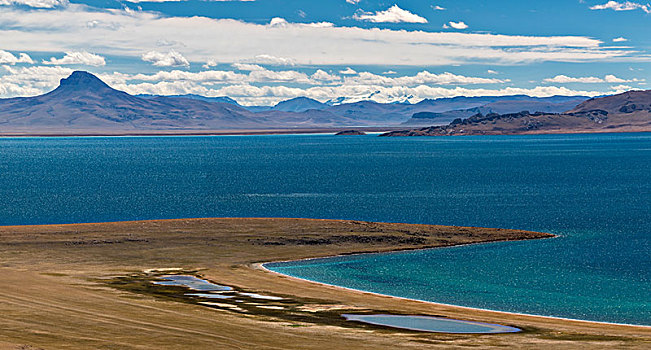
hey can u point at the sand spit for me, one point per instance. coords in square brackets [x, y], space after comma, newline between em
[92, 301]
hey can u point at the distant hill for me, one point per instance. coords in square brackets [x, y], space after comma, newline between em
[555, 104]
[299, 104]
[627, 112]
[82, 102]
[628, 102]
[222, 99]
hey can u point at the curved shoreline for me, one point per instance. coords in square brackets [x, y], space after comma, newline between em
[77, 261]
[262, 266]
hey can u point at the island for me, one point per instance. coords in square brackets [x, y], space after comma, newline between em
[350, 133]
[110, 285]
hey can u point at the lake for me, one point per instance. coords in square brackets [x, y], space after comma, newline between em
[592, 190]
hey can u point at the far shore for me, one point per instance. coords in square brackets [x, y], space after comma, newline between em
[67, 286]
[222, 132]
[298, 131]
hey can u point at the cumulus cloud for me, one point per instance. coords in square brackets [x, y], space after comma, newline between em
[30, 81]
[622, 6]
[620, 40]
[35, 3]
[563, 79]
[323, 76]
[258, 74]
[210, 63]
[456, 25]
[263, 86]
[267, 95]
[34, 80]
[621, 88]
[437, 8]
[348, 71]
[271, 60]
[8, 58]
[424, 77]
[78, 57]
[354, 2]
[247, 67]
[170, 59]
[393, 14]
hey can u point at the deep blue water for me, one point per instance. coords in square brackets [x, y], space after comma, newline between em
[593, 190]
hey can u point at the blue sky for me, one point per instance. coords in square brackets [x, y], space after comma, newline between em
[263, 51]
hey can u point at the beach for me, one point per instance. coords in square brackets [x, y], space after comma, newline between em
[61, 288]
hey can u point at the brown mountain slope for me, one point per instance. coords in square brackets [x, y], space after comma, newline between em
[627, 112]
[82, 102]
[623, 103]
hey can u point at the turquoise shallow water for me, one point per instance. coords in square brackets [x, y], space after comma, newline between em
[593, 190]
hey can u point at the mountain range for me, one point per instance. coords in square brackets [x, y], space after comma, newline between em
[626, 112]
[84, 103]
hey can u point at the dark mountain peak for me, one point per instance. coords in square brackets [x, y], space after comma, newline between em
[300, 99]
[298, 104]
[80, 80]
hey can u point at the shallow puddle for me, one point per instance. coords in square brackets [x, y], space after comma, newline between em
[431, 324]
[191, 282]
[209, 296]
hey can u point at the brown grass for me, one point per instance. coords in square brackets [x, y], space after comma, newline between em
[58, 289]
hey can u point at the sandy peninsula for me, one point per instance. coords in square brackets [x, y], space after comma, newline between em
[87, 286]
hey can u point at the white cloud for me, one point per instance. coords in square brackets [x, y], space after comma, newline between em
[130, 33]
[563, 79]
[258, 74]
[271, 60]
[620, 40]
[278, 22]
[8, 58]
[247, 67]
[323, 76]
[348, 71]
[621, 88]
[490, 71]
[389, 72]
[610, 78]
[24, 81]
[170, 59]
[268, 95]
[286, 76]
[78, 57]
[35, 3]
[30, 81]
[393, 14]
[622, 6]
[424, 77]
[438, 8]
[354, 2]
[458, 25]
[210, 63]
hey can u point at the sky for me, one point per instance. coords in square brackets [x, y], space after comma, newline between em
[260, 52]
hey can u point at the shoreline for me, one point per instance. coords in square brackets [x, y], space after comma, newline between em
[81, 262]
[262, 266]
[379, 131]
[224, 132]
